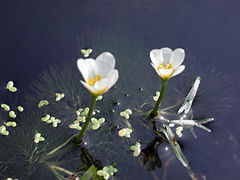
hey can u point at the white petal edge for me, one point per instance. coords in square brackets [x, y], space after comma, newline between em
[178, 70]
[177, 57]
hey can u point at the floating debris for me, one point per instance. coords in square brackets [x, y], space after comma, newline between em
[97, 123]
[125, 132]
[59, 96]
[86, 52]
[12, 114]
[5, 107]
[38, 138]
[155, 98]
[136, 148]
[43, 103]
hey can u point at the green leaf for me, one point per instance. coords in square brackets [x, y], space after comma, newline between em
[91, 174]
[20, 108]
[174, 145]
[12, 89]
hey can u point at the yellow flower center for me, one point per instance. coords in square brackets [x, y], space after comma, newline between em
[168, 66]
[92, 82]
[161, 66]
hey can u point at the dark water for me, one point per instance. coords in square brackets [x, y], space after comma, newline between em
[35, 35]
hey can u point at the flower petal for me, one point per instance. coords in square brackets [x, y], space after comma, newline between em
[166, 55]
[177, 57]
[178, 70]
[156, 57]
[113, 78]
[89, 88]
[87, 68]
[105, 63]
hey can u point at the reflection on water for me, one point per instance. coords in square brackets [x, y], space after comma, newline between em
[22, 158]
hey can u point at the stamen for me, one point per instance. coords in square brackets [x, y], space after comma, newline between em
[92, 82]
[161, 66]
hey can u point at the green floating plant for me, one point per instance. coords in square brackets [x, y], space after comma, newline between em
[59, 96]
[107, 171]
[4, 131]
[85, 111]
[99, 98]
[11, 124]
[179, 130]
[126, 113]
[75, 126]
[38, 138]
[86, 52]
[43, 103]
[10, 86]
[5, 107]
[155, 98]
[20, 108]
[136, 149]
[125, 132]
[97, 122]
[48, 119]
[12, 114]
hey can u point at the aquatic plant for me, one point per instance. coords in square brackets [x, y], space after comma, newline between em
[167, 63]
[99, 76]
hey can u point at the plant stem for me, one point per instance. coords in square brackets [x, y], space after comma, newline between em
[81, 134]
[155, 110]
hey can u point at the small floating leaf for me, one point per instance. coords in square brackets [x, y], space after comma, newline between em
[12, 114]
[20, 108]
[86, 52]
[11, 123]
[125, 132]
[99, 98]
[43, 103]
[5, 107]
[38, 138]
[155, 98]
[136, 148]
[13, 89]
[9, 84]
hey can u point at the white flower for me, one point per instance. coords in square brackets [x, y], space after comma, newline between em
[167, 62]
[99, 74]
